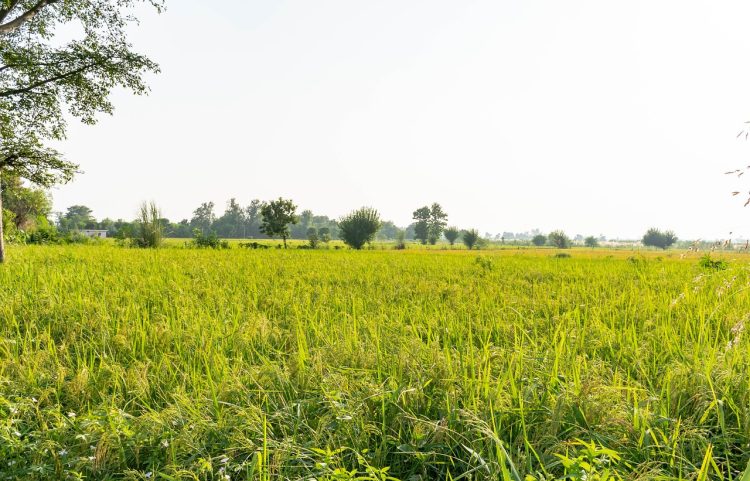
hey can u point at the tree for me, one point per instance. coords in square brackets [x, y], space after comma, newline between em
[26, 158]
[277, 216]
[591, 241]
[252, 219]
[452, 234]
[324, 233]
[26, 204]
[539, 240]
[77, 217]
[656, 238]
[203, 217]
[470, 238]
[422, 224]
[558, 239]
[40, 79]
[438, 221]
[359, 227]
[312, 237]
[231, 223]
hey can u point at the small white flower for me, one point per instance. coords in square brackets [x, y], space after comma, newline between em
[34, 400]
[63, 452]
[165, 443]
[149, 474]
[71, 415]
[17, 433]
[91, 458]
[224, 460]
[92, 447]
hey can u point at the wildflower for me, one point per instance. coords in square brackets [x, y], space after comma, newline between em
[71, 415]
[63, 452]
[165, 443]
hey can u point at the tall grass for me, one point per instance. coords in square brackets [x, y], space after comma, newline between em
[414, 365]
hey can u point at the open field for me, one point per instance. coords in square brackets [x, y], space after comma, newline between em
[239, 364]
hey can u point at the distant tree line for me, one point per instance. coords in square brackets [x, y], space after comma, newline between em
[27, 215]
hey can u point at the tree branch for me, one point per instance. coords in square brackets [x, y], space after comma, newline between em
[16, 23]
[40, 83]
[5, 11]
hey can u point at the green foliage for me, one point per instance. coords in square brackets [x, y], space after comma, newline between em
[208, 241]
[400, 240]
[470, 238]
[452, 234]
[312, 237]
[539, 240]
[277, 215]
[656, 238]
[591, 241]
[430, 222]
[359, 227]
[149, 226]
[558, 239]
[707, 262]
[422, 225]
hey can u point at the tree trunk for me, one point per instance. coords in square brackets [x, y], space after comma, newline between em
[284, 237]
[2, 239]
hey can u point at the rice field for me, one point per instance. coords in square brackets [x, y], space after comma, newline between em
[186, 364]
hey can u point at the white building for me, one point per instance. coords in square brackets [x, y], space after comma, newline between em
[94, 233]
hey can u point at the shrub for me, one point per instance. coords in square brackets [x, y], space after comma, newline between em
[707, 262]
[558, 239]
[470, 238]
[149, 226]
[44, 235]
[451, 234]
[312, 237]
[539, 240]
[359, 227]
[210, 241]
[656, 238]
[400, 240]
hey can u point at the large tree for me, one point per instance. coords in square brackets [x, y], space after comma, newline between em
[277, 216]
[422, 224]
[42, 79]
[27, 158]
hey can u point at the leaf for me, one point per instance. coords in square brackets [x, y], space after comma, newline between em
[746, 474]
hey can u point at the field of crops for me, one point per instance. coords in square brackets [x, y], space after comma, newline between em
[332, 365]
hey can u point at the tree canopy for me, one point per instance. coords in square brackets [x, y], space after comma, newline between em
[277, 216]
[359, 227]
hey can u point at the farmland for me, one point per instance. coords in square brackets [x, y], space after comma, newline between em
[180, 363]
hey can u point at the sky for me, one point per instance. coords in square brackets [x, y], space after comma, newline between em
[595, 117]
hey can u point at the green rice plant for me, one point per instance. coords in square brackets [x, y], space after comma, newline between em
[379, 364]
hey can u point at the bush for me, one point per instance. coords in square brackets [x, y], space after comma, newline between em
[44, 235]
[359, 227]
[470, 238]
[149, 226]
[539, 240]
[253, 245]
[707, 263]
[312, 237]
[451, 234]
[656, 238]
[400, 240]
[210, 241]
[558, 239]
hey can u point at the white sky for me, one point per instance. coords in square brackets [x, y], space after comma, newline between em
[590, 116]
